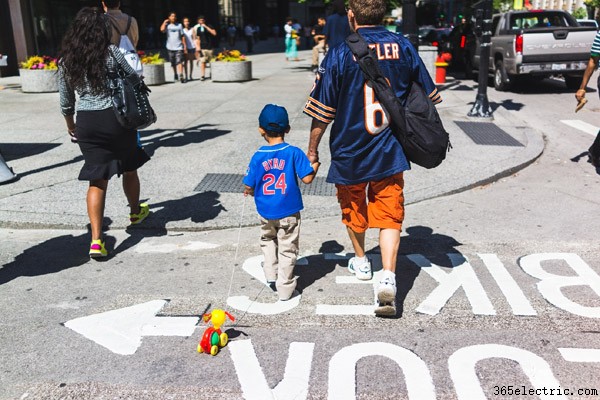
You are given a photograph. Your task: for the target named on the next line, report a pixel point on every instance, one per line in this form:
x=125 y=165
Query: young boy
x=272 y=178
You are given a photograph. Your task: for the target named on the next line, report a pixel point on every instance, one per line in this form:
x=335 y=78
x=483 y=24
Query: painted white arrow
x=121 y=331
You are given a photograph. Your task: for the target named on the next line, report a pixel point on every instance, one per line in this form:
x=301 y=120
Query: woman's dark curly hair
x=84 y=51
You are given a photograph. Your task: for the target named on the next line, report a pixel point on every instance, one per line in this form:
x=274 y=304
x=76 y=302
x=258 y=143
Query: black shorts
x=176 y=57
x=108 y=149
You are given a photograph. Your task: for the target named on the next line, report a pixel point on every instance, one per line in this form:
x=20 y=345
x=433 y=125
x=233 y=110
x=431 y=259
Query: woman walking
x=291 y=49
x=108 y=149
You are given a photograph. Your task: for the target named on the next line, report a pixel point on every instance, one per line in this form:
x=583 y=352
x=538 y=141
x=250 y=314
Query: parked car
x=537 y=43
x=432 y=36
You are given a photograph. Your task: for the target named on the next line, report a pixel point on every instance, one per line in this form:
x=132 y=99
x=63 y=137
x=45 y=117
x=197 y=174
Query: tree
x=580 y=13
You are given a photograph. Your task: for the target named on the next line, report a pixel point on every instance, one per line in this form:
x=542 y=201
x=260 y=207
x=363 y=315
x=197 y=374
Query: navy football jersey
x=362 y=145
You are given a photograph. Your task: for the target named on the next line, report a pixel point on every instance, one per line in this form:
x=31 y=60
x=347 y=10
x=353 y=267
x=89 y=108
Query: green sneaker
x=98 y=249
x=141 y=216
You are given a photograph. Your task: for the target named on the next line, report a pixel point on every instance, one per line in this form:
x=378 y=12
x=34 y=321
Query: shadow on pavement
x=179 y=137
x=200 y=207
x=52 y=256
x=15 y=151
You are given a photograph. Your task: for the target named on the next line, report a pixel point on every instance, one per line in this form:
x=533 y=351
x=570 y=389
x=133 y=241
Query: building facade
x=36 y=27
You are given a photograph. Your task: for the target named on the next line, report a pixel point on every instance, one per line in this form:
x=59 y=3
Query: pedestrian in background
x=291 y=49
x=337 y=28
x=231 y=34
x=594 y=150
x=319 y=39
x=107 y=148
x=249 y=35
x=367 y=161
x=191 y=55
x=176 y=45
x=205 y=35
x=272 y=178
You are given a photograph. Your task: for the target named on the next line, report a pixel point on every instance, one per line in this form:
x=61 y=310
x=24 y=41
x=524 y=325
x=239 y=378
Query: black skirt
x=108 y=149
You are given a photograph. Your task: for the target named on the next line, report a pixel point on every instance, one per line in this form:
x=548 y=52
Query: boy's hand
x=315 y=166
x=248 y=191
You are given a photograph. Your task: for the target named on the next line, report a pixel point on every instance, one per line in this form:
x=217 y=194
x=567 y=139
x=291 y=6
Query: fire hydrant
x=441 y=63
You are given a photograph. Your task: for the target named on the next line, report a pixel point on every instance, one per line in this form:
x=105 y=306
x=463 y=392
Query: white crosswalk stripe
x=582 y=126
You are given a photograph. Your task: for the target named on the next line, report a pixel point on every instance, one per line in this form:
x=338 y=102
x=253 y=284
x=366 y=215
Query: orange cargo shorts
x=384 y=208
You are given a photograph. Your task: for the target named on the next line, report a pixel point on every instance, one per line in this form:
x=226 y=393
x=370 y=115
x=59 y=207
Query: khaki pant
x=279 y=242
x=315 y=52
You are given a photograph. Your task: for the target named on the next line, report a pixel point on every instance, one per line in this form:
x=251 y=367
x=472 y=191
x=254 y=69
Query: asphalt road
x=499 y=286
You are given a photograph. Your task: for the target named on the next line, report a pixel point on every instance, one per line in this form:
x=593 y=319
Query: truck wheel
x=501 y=81
x=573 y=82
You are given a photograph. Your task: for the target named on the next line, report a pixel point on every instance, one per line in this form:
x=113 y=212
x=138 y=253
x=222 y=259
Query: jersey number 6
x=376 y=119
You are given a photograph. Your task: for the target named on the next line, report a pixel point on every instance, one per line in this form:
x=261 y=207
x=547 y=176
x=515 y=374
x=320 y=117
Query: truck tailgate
x=543 y=45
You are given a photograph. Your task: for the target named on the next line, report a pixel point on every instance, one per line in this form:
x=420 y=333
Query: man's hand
x=313 y=157
x=580 y=94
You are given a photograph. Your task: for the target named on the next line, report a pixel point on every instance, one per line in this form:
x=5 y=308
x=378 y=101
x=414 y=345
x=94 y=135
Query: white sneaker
x=386 y=298
x=362 y=271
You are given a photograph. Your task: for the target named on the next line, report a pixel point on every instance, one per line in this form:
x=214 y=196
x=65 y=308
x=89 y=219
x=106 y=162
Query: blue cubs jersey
x=362 y=145
x=273 y=174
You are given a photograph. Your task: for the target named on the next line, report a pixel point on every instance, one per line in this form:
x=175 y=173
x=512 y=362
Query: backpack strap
x=128 y=24
x=369 y=64
x=112 y=21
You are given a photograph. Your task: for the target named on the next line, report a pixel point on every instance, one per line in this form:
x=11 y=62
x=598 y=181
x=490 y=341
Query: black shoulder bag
x=129 y=96
x=416 y=123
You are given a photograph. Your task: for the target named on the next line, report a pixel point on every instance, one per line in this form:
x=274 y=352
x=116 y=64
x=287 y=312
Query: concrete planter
x=39 y=80
x=238 y=71
x=154 y=74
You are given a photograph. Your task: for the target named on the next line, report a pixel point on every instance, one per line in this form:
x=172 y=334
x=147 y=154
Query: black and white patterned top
x=88 y=101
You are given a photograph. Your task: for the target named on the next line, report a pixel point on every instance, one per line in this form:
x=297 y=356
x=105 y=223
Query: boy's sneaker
x=141 y=216
x=294 y=294
x=362 y=271
x=98 y=249
x=386 y=298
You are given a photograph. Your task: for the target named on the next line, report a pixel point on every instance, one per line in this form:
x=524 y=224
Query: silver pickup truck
x=537 y=43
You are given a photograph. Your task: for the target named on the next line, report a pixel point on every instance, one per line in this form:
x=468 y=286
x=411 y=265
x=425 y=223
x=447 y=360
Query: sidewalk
x=211 y=128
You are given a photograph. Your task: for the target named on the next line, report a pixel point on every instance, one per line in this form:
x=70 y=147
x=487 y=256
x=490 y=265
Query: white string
x=237 y=247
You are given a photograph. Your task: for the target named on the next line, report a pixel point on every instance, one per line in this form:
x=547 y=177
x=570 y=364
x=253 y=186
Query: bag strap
x=367 y=60
x=128 y=24
x=112 y=21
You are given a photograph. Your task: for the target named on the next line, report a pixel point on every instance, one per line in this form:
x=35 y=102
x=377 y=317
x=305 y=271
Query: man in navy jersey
x=272 y=178
x=367 y=161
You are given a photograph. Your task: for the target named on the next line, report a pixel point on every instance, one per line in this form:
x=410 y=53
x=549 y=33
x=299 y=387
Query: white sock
x=388 y=274
x=361 y=260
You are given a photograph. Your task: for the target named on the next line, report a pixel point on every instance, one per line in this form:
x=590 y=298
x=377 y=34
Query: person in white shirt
x=190 y=39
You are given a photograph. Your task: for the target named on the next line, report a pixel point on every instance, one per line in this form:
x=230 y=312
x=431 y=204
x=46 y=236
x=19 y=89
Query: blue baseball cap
x=274 y=118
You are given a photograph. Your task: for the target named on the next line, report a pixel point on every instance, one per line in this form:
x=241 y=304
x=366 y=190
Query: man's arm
x=163 y=27
x=135 y=32
x=183 y=41
x=589 y=71
x=317 y=130
x=210 y=30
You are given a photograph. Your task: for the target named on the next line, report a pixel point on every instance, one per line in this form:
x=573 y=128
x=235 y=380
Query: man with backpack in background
x=367 y=160
x=118 y=21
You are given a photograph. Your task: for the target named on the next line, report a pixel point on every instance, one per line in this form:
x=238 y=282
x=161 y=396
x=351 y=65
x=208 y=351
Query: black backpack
x=416 y=123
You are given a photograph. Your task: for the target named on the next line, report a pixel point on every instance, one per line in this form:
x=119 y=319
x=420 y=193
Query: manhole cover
x=487 y=133
x=232 y=183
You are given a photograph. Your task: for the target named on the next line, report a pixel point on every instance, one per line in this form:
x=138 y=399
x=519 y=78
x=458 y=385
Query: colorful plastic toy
x=213 y=339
